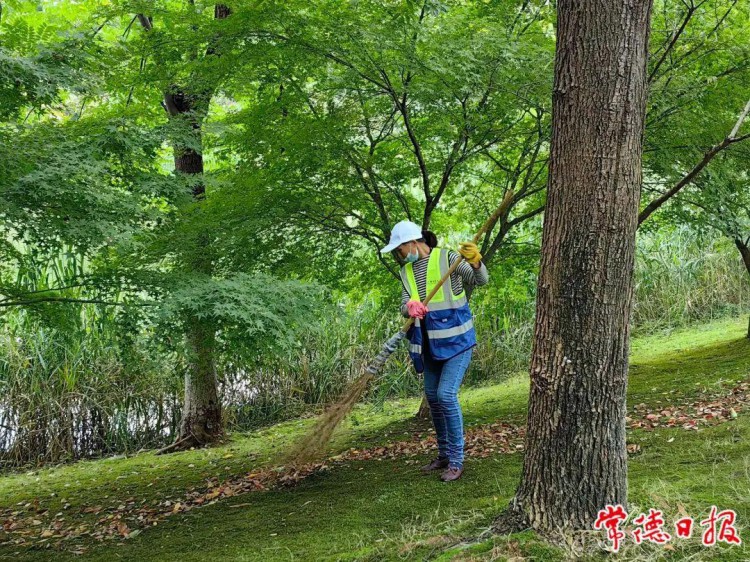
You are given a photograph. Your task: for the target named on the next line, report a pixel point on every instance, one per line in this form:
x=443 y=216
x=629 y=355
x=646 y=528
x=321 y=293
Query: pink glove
x=416 y=309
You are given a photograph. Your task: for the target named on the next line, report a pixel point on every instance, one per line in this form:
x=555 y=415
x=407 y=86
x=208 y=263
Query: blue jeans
x=441 y=382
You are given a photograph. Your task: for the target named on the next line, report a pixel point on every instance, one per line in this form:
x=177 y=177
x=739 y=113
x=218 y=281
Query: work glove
x=470 y=252
x=416 y=309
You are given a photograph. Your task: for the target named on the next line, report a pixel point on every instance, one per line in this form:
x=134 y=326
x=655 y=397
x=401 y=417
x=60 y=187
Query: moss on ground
x=384 y=510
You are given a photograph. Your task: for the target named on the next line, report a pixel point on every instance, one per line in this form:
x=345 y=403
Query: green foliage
x=700 y=78
x=319 y=125
x=719 y=202
x=67 y=391
x=700 y=86
x=87 y=182
x=252 y=313
x=366 y=114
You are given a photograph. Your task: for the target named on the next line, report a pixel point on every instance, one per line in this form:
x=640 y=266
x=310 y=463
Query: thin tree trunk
x=201 y=421
x=575 y=461
x=745 y=253
x=201 y=414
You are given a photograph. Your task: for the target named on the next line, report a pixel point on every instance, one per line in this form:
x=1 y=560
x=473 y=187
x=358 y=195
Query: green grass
x=383 y=510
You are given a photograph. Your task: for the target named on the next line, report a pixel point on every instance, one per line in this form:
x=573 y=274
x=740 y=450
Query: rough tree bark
x=576 y=461
x=201 y=411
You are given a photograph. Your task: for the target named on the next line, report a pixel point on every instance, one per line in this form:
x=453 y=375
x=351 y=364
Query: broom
x=313 y=442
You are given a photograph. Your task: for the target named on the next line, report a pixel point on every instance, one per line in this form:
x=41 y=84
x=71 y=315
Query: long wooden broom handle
x=488 y=224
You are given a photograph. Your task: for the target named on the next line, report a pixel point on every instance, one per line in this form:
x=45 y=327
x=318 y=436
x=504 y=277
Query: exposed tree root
x=180 y=445
x=188 y=442
x=512 y=520
x=576 y=543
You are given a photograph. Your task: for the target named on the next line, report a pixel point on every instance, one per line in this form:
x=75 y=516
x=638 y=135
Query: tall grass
x=65 y=391
x=63 y=399
x=85 y=380
x=317 y=370
x=681 y=278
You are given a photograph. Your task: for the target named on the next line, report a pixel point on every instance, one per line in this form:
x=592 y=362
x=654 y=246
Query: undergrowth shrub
x=88 y=380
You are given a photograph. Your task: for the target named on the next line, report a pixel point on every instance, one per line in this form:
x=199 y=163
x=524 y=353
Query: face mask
x=412 y=257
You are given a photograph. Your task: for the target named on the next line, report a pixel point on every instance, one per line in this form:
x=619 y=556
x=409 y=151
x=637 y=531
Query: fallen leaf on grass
x=481 y=441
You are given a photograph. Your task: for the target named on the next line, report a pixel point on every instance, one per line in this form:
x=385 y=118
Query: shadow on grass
x=688 y=373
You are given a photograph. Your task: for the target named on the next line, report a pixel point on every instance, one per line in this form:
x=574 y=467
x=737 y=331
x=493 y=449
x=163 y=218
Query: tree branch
x=690 y=176
x=744 y=252
x=145 y=21
x=526 y=216
x=673 y=41
x=401 y=104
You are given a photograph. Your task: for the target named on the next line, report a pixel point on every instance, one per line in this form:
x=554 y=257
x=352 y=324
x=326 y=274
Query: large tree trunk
x=575 y=461
x=745 y=253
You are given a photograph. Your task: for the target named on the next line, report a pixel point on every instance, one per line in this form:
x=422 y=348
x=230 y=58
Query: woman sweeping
x=442 y=338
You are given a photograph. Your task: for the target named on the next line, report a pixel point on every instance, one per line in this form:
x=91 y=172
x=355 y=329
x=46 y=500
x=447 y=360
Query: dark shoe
x=437 y=464
x=451 y=474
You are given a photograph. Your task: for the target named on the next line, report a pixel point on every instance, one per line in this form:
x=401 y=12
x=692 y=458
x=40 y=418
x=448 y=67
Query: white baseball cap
x=404 y=231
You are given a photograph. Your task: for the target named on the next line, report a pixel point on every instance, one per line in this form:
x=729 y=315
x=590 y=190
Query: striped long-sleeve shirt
x=463 y=276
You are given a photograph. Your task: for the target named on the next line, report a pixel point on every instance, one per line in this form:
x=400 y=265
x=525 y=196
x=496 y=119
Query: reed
x=83 y=381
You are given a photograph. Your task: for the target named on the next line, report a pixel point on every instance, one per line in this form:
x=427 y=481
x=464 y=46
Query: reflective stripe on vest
x=451 y=332
x=437 y=267
x=449 y=324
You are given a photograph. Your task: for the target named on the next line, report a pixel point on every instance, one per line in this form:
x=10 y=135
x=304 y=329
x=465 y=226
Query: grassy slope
x=383 y=510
